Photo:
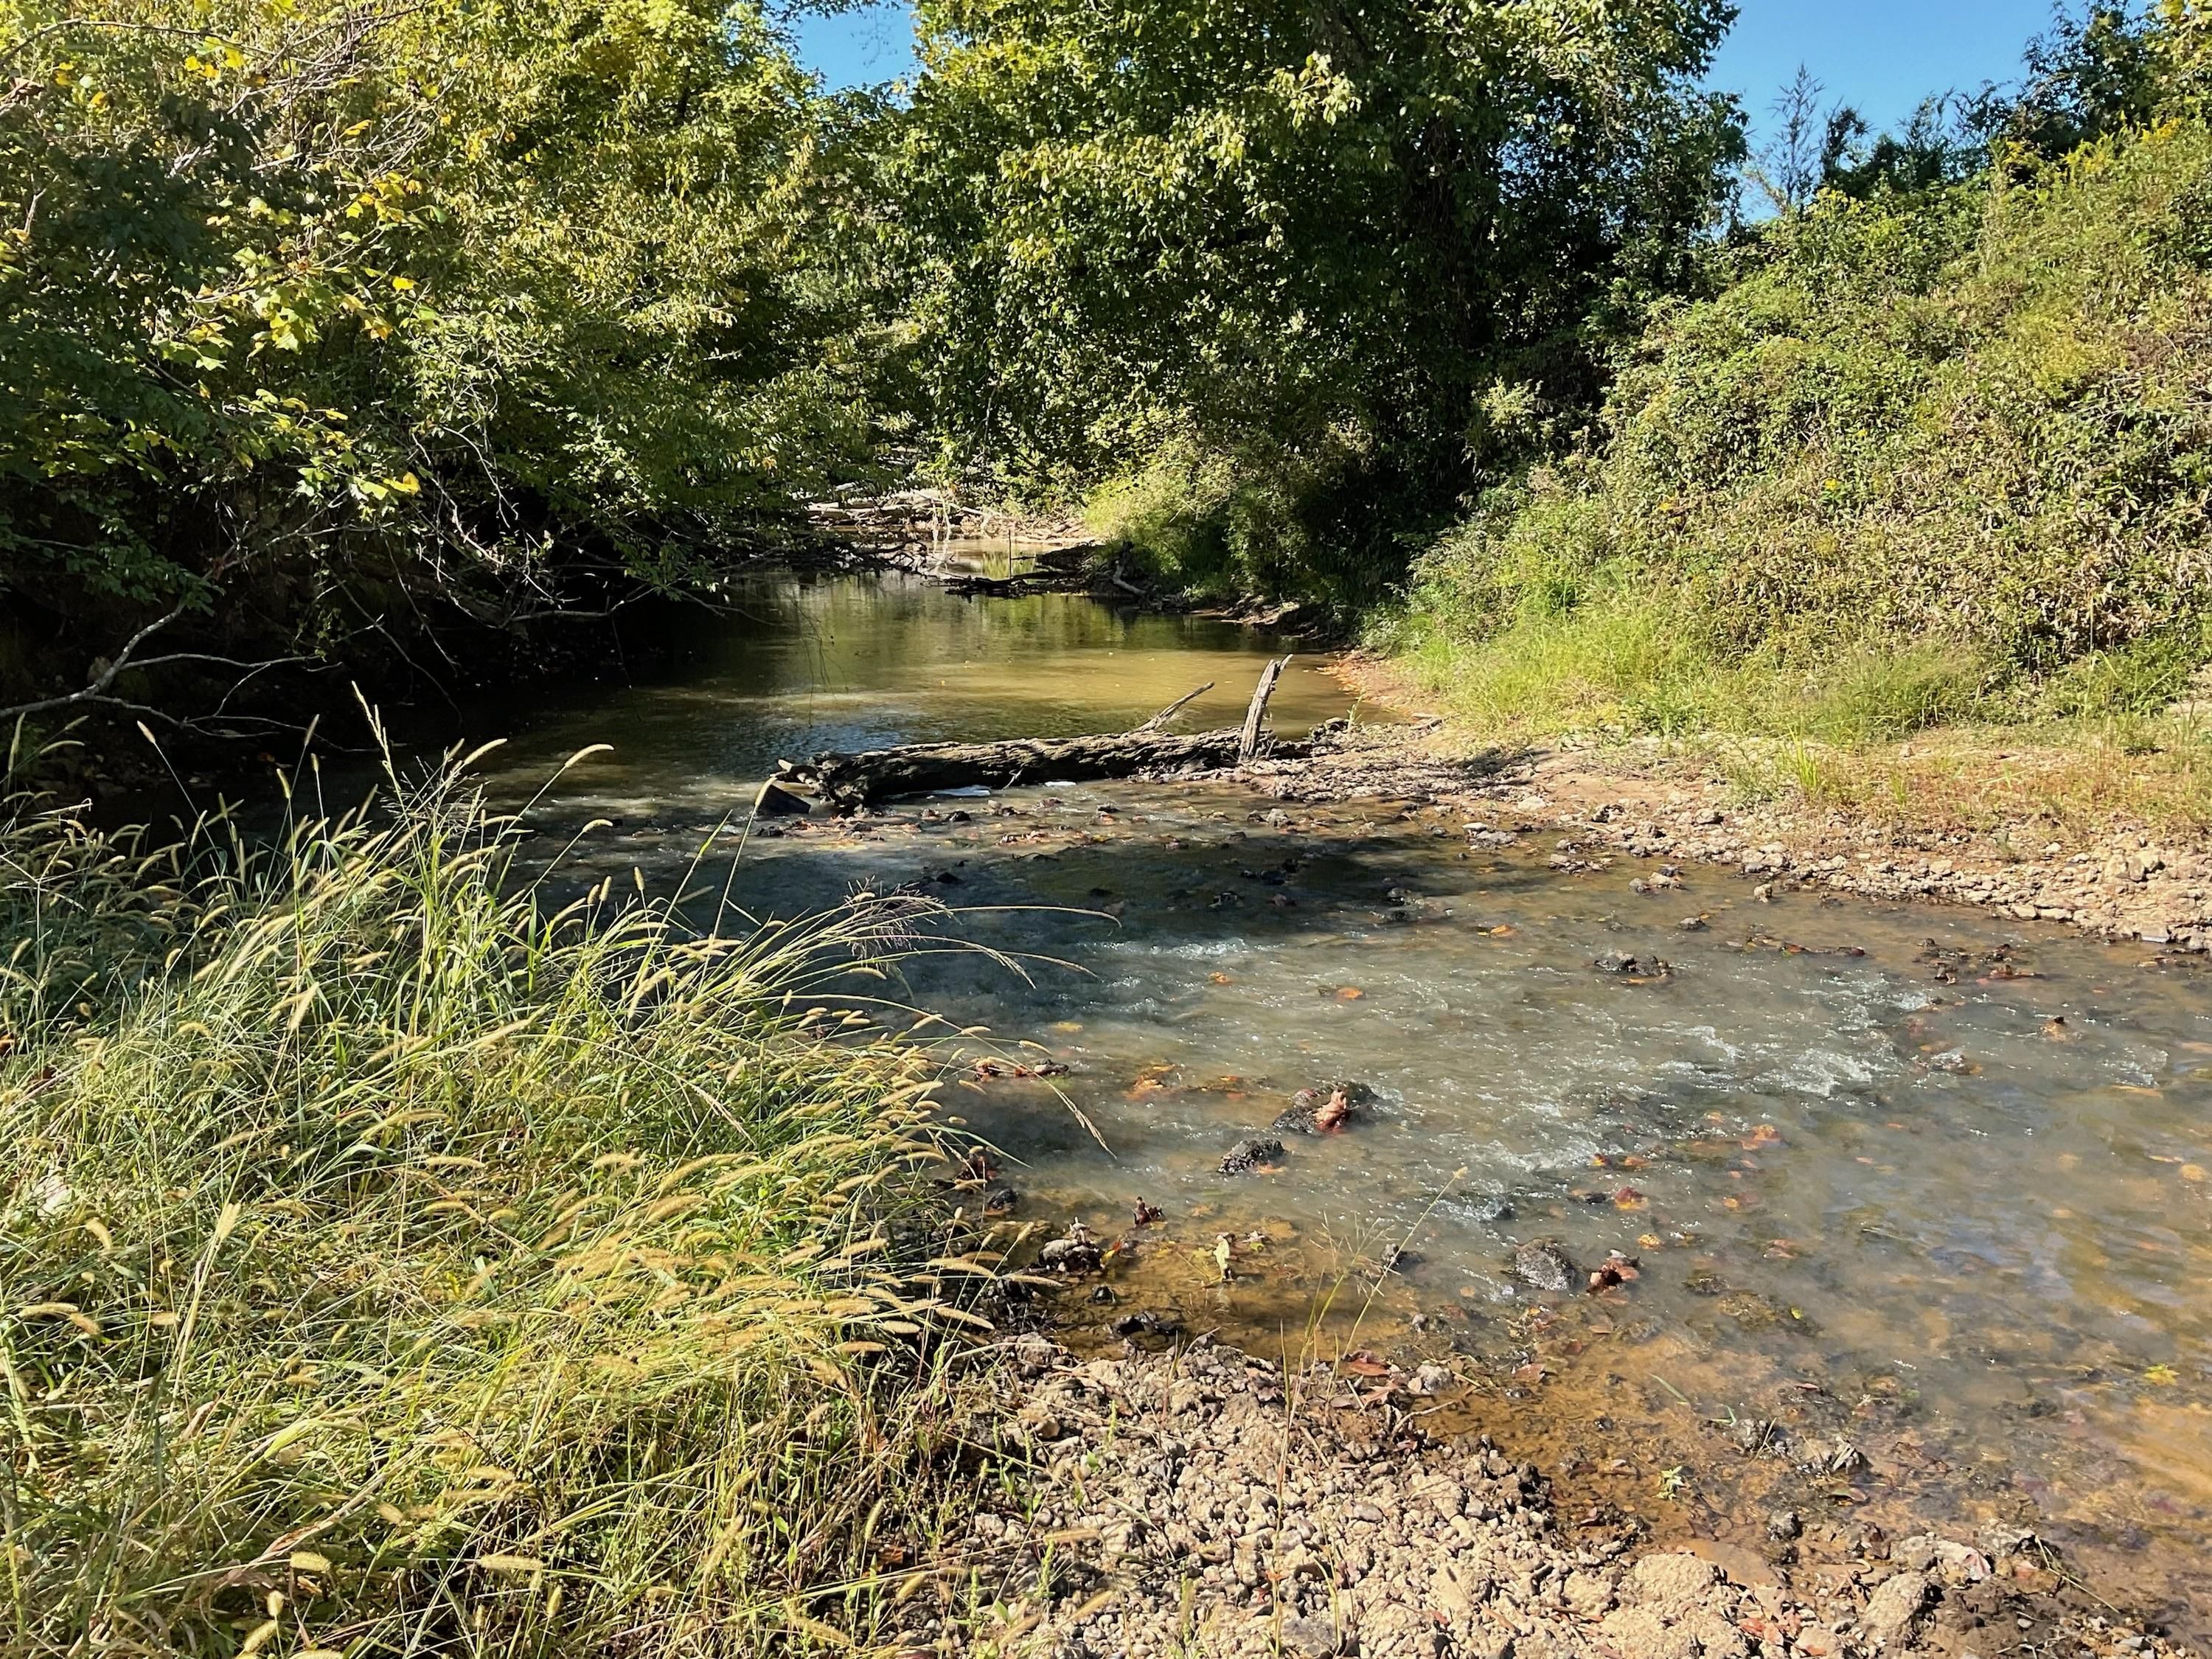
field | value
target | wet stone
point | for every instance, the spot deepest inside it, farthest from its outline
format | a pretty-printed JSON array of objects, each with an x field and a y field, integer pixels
[
  {"x": 1069, "y": 1255},
  {"x": 1545, "y": 1266},
  {"x": 1324, "y": 1108},
  {"x": 1896, "y": 1603},
  {"x": 773, "y": 801},
  {"x": 1251, "y": 1154}
]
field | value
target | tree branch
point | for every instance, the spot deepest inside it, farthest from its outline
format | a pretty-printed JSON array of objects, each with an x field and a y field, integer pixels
[{"x": 98, "y": 692}]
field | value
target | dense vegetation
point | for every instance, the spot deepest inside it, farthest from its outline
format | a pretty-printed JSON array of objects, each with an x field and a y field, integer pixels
[
  {"x": 322, "y": 320},
  {"x": 328, "y": 326},
  {"x": 1293, "y": 275},
  {"x": 1925, "y": 451},
  {"x": 398, "y": 1260}
]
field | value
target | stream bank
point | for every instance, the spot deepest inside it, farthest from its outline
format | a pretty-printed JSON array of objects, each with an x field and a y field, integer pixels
[
  {"x": 1202, "y": 1503},
  {"x": 2115, "y": 880}
]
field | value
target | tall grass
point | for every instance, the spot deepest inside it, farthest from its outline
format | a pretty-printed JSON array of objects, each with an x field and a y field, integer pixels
[{"x": 392, "y": 1262}]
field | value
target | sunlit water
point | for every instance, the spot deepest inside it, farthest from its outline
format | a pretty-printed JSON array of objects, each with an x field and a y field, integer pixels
[{"x": 1962, "y": 1225}]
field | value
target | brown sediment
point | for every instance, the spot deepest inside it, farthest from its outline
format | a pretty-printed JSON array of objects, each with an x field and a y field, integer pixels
[
  {"x": 1645, "y": 1435},
  {"x": 1203, "y": 1501}
]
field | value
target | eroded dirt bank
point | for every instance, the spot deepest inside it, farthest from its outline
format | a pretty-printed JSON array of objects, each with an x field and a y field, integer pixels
[{"x": 1200, "y": 1502}]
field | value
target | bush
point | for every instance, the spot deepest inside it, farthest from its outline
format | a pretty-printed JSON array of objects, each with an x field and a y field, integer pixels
[
  {"x": 317, "y": 317},
  {"x": 1971, "y": 420}
]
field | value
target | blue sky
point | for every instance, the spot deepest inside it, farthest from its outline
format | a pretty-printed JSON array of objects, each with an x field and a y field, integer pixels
[{"x": 1882, "y": 55}]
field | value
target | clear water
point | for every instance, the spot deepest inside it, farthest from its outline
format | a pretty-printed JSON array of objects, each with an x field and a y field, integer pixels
[{"x": 1963, "y": 1225}]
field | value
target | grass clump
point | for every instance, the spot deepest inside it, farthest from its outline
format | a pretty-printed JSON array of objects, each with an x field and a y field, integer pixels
[{"x": 394, "y": 1262}]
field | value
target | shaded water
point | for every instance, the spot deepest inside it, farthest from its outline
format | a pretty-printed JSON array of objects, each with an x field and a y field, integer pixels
[{"x": 1908, "y": 1178}]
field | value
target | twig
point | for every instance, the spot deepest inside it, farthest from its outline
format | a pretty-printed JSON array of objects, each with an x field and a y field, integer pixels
[
  {"x": 1159, "y": 722},
  {"x": 98, "y": 692}
]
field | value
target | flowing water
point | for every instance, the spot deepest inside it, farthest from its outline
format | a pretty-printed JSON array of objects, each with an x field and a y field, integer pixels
[{"x": 1907, "y": 1181}]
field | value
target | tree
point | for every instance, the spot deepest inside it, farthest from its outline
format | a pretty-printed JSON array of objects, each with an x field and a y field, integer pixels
[
  {"x": 1314, "y": 236},
  {"x": 319, "y": 311},
  {"x": 1791, "y": 165}
]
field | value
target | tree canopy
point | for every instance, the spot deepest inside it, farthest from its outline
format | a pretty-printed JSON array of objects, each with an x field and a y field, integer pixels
[
  {"x": 321, "y": 314},
  {"x": 1290, "y": 230},
  {"x": 306, "y": 303}
]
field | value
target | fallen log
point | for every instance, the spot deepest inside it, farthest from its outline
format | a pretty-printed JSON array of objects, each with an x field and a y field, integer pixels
[{"x": 849, "y": 781}]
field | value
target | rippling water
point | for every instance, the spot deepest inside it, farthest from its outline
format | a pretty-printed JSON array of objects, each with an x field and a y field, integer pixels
[{"x": 1911, "y": 1177}]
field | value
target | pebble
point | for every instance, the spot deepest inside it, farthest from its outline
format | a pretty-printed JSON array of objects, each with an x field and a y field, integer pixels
[{"x": 1240, "y": 1512}]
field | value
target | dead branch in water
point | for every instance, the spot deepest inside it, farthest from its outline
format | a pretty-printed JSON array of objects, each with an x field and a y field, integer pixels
[
  {"x": 1160, "y": 721},
  {"x": 1248, "y": 744}
]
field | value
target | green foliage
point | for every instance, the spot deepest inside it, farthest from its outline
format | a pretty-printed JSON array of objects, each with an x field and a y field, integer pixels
[
  {"x": 1302, "y": 243},
  {"x": 1969, "y": 423},
  {"x": 302, "y": 295},
  {"x": 397, "y": 1261}
]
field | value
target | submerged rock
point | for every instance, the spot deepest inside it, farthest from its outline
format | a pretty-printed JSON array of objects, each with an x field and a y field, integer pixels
[
  {"x": 1545, "y": 1266},
  {"x": 1077, "y": 1253},
  {"x": 1069, "y": 1255},
  {"x": 773, "y": 801},
  {"x": 1251, "y": 1154},
  {"x": 1144, "y": 1322}
]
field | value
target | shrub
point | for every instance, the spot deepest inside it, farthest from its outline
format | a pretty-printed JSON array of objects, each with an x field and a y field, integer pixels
[{"x": 1971, "y": 421}]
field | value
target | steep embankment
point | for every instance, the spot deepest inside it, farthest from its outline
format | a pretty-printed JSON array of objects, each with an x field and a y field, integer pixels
[{"x": 1922, "y": 458}]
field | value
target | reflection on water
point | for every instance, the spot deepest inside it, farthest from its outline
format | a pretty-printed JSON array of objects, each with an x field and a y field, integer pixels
[
  {"x": 1912, "y": 1178},
  {"x": 851, "y": 663}
]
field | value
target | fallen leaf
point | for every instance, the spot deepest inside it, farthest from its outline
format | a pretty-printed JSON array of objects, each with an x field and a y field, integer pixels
[
  {"x": 1349, "y": 993},
  {"x": 2192, "y": 1172},
  {"x": 1222, "y": 979}
]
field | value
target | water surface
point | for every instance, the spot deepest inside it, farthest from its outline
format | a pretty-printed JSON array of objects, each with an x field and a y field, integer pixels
[{"x": 1914, "y": 1179}]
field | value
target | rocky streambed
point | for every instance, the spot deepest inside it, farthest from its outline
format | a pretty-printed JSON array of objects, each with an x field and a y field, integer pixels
[
  {"x": 1203, "y": 1501},
  {"x": 1922, "y": 1183},
  {"x": 2116, "y": 880}
]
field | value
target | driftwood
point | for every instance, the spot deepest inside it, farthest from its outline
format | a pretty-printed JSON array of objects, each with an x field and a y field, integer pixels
[
  {"x": 1248, "y": 742},
  {"x": 847, "y": 781},
  {"x": 1160, "y": 721}
]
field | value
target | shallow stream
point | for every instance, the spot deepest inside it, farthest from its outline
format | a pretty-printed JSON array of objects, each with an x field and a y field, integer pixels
[{"x": 1915, "y": 1185}]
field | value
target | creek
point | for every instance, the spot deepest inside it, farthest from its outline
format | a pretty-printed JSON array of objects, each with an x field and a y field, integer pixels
[{"x": 1919, "y": 1186}]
